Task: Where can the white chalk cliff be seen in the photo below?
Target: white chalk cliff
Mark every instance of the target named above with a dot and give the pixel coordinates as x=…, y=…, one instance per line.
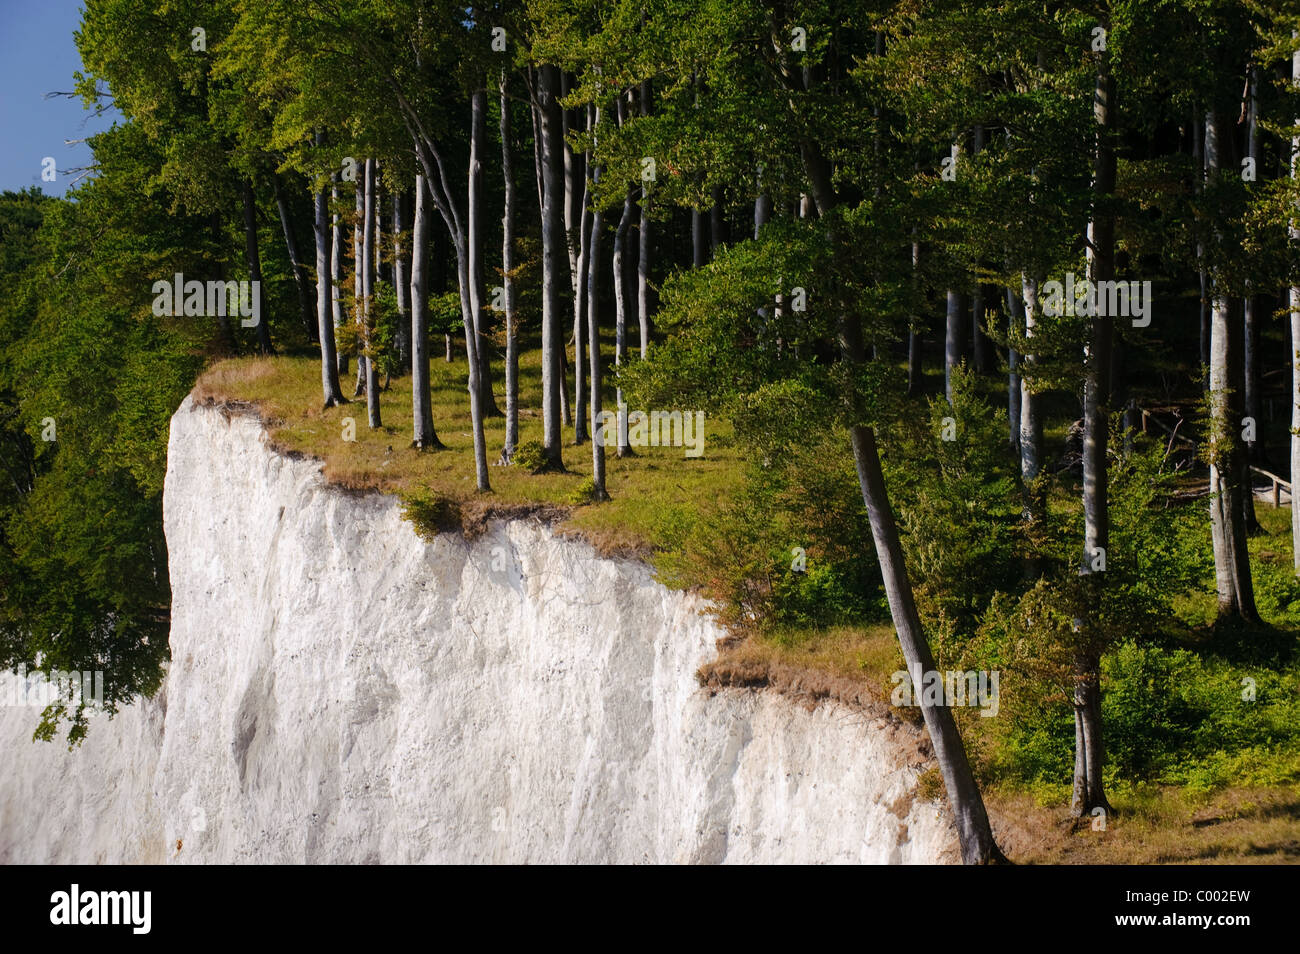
x=342, y=691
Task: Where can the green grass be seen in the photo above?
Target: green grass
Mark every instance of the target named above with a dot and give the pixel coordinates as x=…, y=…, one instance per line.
x=644, y=488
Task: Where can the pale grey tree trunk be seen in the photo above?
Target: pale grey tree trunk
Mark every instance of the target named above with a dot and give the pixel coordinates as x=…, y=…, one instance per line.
x=329, y=370
x=1250, y=330
x=1089, y=761
x=1031, y=425
x=552, y=239
x=580, y=320
x=482, y=344
x=400, y=281
x=1236, y=595
x=367, y=295
x=358, y=267
x=643, y=246
x=336, y=272
x=508, y=279
x=424, y=437
x=593, y=339
x=620, y=305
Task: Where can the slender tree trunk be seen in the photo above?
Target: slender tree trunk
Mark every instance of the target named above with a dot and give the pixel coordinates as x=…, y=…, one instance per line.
x=1089, y=754
x=295, y=260
x=552, y=237
x=593, y=341
x=507, y=277
x=914, y=329
x=579, y=322
x=1250, y=334
x=1031, y=425
x=1294, y=305
x=329, y=370
x=482, y=344
x=620, y=314
x=401, y=281
x=1198, y=168
x=643, y=246
x=973, y=829
x=358, y=268
x=368, y=296
x=336, y=273
x=1228, y=515
x=575, y=181
x=424, y=437
x=255, y=267
x=1016, y=327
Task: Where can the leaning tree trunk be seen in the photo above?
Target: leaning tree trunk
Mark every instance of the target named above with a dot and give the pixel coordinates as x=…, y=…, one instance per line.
x=295, y=260
x=508, y=278
x=255, y=267
x=329, y=370
x=1089, y=754
x=552, y=240
x=424, y=437
x=368, y=297
x=973, y=829
x=482, y=350
x=1228, y=516
x=598, y=491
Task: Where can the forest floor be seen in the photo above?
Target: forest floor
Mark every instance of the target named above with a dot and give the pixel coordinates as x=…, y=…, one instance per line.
x=1162, y=824
x=644, y=488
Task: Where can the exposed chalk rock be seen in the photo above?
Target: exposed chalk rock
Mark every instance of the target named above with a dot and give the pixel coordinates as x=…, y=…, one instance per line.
x=342, y=691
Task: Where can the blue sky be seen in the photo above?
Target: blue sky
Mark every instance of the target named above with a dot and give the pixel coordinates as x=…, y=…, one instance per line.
x=39, y=55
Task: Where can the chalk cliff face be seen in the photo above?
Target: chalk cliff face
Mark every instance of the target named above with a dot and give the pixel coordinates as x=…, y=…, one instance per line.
x=342, y=691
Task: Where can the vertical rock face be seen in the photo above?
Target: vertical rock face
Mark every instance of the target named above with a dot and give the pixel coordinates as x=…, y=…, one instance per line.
x=342, y=691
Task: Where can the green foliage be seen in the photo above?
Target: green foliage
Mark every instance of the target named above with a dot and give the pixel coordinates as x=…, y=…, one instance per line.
x=430, y=514
x=958, y=505
x=529, y=456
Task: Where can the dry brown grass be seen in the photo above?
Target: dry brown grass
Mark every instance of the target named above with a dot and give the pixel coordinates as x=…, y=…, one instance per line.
x=1162, y=825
